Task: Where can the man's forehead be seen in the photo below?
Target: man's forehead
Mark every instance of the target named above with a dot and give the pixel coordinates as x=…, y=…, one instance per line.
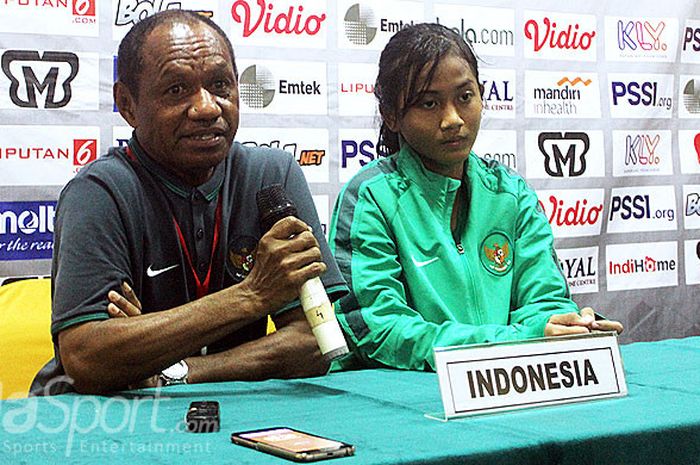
x=182, y=33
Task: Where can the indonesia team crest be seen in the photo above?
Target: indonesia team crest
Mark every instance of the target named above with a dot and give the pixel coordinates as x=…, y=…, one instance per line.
x=496, y=253
x=241, y=256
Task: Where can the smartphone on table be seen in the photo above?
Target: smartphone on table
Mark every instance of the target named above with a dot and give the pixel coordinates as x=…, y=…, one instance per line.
x=292, y=444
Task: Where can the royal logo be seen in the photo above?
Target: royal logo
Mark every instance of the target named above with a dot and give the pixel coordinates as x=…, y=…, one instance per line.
x=497, y=95
x=21, y=66
x=553, y=145
x=293, y=21
x=84, y=151
x=549, y=35
x=360, y=24
x=642, y=35
x=495, y=253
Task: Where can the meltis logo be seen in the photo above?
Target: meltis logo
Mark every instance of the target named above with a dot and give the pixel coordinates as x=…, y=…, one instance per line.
x=309, y=147
x=369, y=25
x=561, y=95
x=500, y=145
x=357, y=148
x=26, y=230
x=573, y=212
x=580, y=268
x=356, y=89
x=499, y=92
x=690, y=96
x=642, y=153
x=279, y=23
x=640, y=39
x=565, y=154
x=49, y=80
x=45, y=155
x=559, y=36
x=641, y=95
x=129, y=12
x=489, y=30
x=636, y=209
x=691, y=216
x=692, y=261
x=690, y=48
x=52, y=17
x=689, y=150
x=284, y=87
x=641, y=266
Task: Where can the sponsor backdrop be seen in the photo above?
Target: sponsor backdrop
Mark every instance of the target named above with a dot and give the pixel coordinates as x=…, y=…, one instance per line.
x=598, y=107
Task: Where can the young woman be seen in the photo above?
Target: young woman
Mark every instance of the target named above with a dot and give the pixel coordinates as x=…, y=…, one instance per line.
x=439, y=246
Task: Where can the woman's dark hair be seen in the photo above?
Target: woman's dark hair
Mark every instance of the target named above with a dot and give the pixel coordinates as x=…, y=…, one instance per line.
x=408, y=53
x=130, y=55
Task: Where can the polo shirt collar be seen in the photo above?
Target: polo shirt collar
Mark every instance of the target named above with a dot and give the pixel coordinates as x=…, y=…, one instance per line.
x=208, y=190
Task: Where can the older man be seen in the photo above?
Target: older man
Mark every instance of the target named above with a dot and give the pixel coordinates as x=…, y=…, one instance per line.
x=173, y=215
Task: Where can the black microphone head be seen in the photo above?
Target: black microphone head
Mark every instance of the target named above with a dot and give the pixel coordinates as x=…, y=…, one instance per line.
x=273, y=205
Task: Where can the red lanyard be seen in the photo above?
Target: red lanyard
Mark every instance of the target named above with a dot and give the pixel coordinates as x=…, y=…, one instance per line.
x=202, y=287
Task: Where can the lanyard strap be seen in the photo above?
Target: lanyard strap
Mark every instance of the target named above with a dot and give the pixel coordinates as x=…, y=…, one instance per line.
x=202, y=286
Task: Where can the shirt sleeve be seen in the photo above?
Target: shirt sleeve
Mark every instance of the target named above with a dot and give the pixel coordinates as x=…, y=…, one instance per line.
x=539, y=288
x=90, y=254
x=383, y=328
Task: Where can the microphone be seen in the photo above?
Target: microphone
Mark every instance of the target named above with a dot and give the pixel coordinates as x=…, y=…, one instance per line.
x=273, y=205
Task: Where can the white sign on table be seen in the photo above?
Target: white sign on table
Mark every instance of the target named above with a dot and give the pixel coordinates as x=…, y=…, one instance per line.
x=487, y=378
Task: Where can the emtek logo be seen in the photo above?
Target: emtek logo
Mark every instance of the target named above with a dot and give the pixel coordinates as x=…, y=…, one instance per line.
x=562, y=150
x=360, y=24
x=257, y=86
x=31, y=73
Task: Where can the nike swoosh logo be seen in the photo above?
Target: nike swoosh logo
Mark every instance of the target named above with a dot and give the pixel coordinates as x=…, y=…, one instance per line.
x=151, y=273
x=422, y=264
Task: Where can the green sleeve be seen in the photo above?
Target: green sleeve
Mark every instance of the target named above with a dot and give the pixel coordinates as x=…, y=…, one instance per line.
x=539, y=288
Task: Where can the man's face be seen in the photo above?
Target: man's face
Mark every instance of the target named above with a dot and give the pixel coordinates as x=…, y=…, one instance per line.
x=186, y=113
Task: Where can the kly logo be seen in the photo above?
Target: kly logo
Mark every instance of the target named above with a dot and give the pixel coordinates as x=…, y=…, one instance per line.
x=360, y=24
x=649, y=39
x=640, y=96
x=263, y=17
x=556, y=95
x=636, y=209
x=26, y=230
x=560, y=36
x=257, y=86
x=553, y=145
x=638, y=153
x=573, y=212
x=580, y=268
x=53, y=68
x=691, y=96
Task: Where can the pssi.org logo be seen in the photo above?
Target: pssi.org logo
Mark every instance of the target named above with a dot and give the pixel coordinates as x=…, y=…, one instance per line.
x=32, y=74
x=130, y=12
x=564, y=150
x=691, y=96
x=360, y=24
x=257, y=86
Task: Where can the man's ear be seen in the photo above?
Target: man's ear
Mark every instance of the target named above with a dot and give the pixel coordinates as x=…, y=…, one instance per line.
x=125, y=103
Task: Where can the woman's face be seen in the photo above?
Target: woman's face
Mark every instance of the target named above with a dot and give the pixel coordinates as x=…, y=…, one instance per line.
x=442, y=125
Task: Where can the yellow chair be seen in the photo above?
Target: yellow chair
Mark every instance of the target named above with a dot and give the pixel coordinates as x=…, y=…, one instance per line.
x=25, y=335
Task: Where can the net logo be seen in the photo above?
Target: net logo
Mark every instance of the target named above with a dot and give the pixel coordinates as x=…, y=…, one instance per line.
x=360, y=24
x=580, y=268
x=553, y=145
x=26, y=230
x=84, y=151
x=293, y=21
x=31, y=73
x=691, y=96
x=130, y=12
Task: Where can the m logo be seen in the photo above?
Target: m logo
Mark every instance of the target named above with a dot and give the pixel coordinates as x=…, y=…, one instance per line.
x=51, y=66
x=564, y=149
